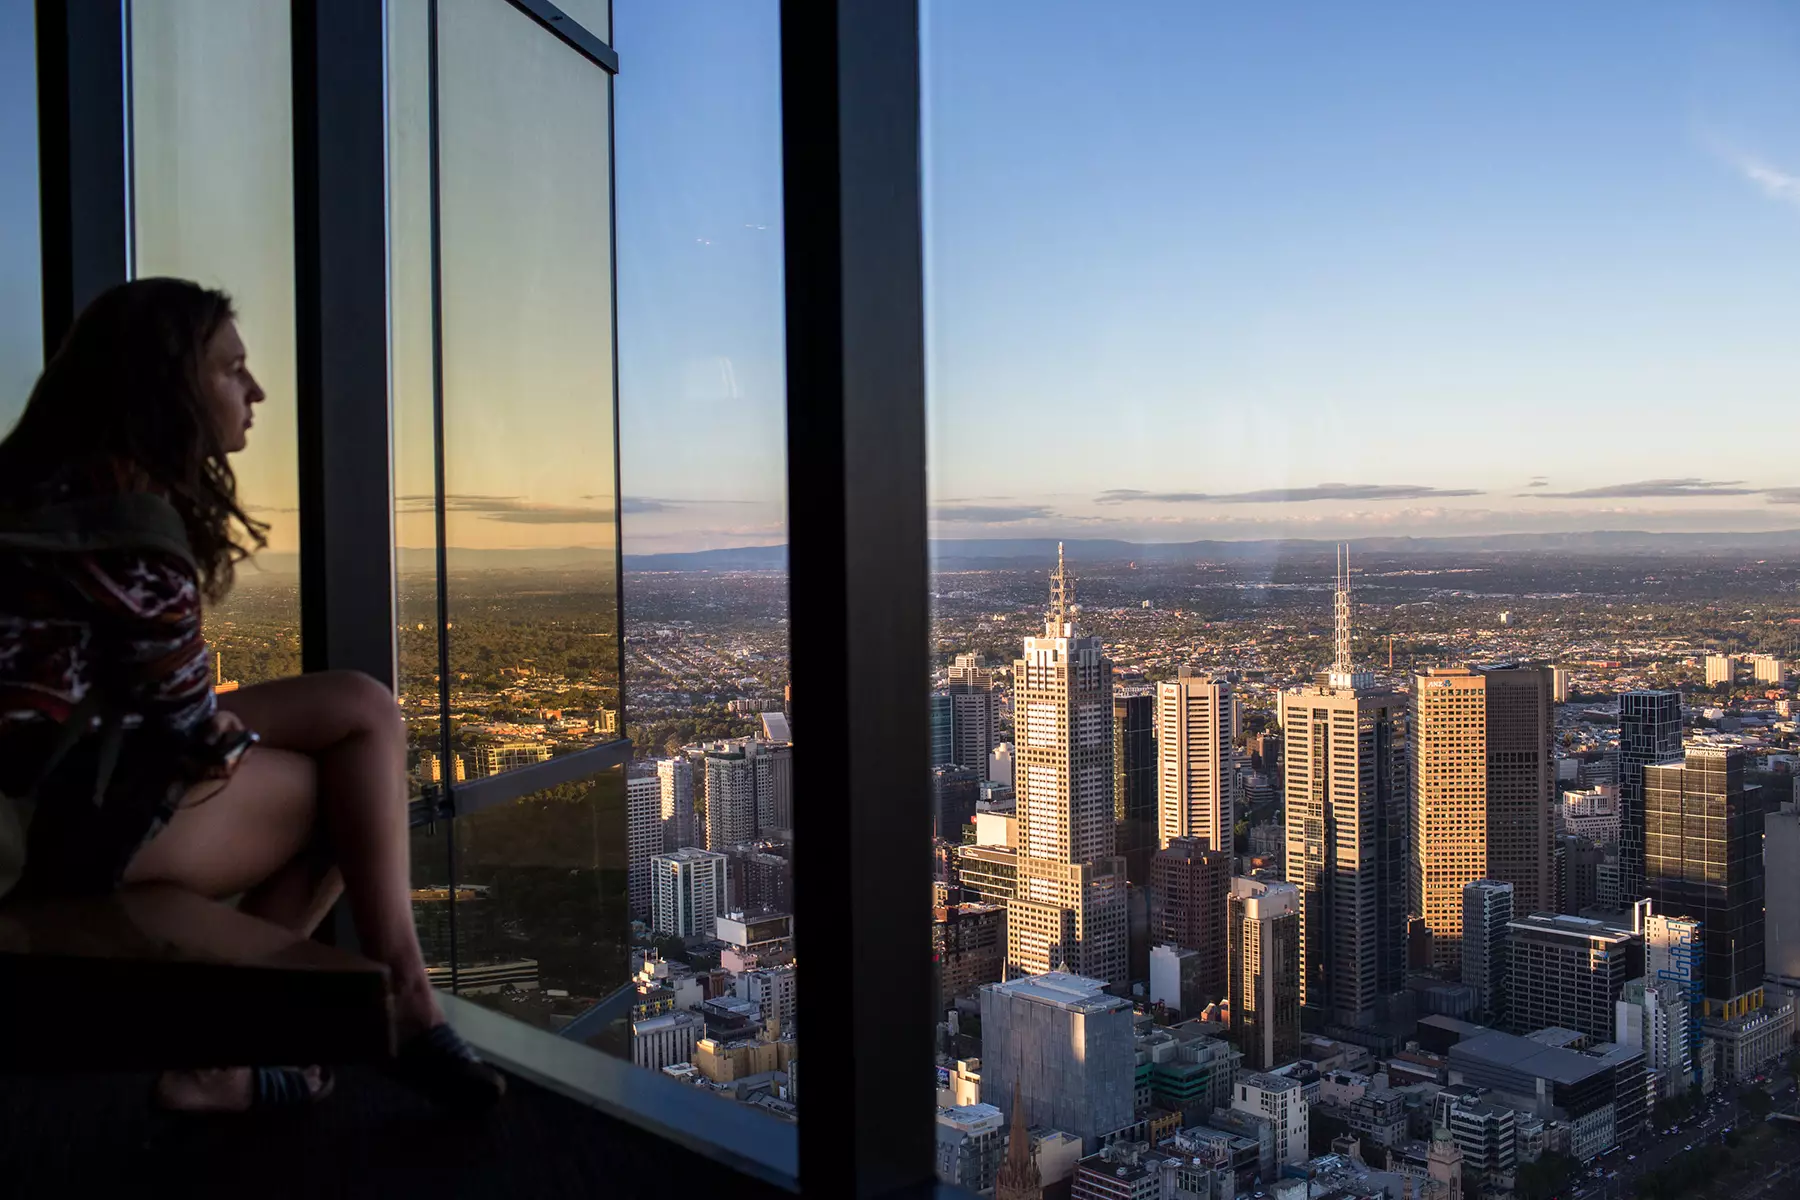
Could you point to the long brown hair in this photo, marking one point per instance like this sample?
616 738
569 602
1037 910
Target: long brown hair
120 406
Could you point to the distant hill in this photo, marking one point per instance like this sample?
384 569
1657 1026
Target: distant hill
740 558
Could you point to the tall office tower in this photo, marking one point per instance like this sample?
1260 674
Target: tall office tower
1649 733
1192 880
1559 684
774 786
1070 909
975 713
1703 845
1766 668
730 795
1521 783
1721 669
1345 804
1263 928
1068 1049
968 949
1567 973
1196 781
675 779
1482 781
943 730
1487 911
1134 783
1447 748
687 892
643 836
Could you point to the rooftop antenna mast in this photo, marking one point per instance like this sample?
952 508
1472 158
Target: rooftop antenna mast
1062 595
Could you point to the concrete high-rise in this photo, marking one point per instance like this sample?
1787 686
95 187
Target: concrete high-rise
1263 927
1069 1049
1766 668
1070 910
687 892
1649 733
1568 972
1134 783
1196 783
1482 782
730 795
1191 881
675 781
1721 670
643 836
974 713
1703 848
1346 812
1487 911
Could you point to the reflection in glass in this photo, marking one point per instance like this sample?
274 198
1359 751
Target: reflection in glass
541 929
530 481
21 304
212 157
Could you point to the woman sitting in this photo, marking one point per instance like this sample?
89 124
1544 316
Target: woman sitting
119 516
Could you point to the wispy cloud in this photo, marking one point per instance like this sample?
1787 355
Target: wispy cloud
1645 488
991 514
1538 481
1775 183
1323 491
513 510
1784 495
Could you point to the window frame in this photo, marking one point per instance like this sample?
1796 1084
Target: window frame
858 573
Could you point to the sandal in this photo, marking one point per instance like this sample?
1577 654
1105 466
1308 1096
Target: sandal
442 1067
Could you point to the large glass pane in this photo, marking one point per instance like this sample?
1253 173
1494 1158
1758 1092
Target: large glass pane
1338 428
414 396
213 183
701 382
530 476
21 262
541 929
595 16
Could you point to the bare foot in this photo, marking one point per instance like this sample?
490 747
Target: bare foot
216 1089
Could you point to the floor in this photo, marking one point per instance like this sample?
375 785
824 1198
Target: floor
76 1135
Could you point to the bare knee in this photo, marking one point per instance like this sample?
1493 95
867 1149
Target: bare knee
366 704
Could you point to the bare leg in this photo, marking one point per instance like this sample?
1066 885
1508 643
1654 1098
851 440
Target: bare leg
351 727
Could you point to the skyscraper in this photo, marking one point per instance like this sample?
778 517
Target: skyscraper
1482 783
1196 782
730 795
943 730
1070 909
1191 881
1263 924
1134 783
1568 972
1703 834
1521 783
1649 733
1345 805
974 713
1487 911
675 779
687 892
643 836
1067 1046
1447 743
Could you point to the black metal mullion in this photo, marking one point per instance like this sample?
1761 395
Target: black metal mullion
571 33
83 156
858 579
612 217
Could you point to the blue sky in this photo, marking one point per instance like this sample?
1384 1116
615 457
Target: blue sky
1206 270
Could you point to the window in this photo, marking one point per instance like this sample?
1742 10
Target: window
21 301
212 186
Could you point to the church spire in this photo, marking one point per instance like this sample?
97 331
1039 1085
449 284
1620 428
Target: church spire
1018 1177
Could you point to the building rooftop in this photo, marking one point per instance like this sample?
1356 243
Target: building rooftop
1076 993
1532 1058
1567 926
1268 1082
